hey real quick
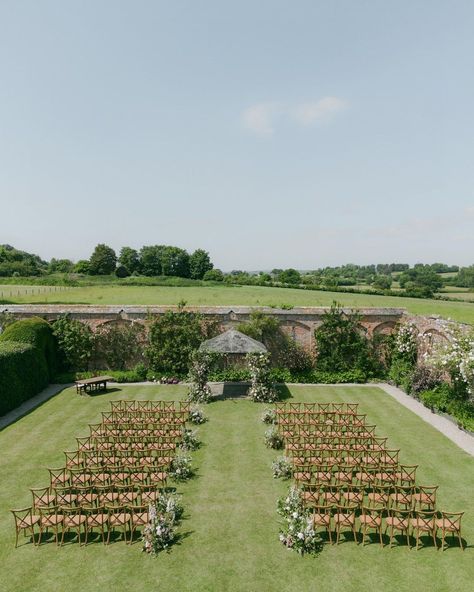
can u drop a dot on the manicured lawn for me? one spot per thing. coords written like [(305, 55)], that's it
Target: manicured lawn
[(230, 540), (228, 296)]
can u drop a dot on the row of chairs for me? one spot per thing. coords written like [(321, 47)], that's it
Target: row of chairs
[(117, 479), (414, 523), (353, 474), (407, 497), (81, 520)]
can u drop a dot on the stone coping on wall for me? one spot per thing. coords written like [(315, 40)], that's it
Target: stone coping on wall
[(130, 309)]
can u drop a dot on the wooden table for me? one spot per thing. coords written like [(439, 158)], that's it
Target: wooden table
[(98, 383)]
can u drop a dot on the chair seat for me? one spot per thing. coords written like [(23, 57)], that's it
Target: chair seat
[(28, 521), (52, 519), (119, 519), (398, 523), (140, 518), (422, 525), (97, 519), (368, 520), (321, 519), (446, 525), (74, 520), (344, 519)]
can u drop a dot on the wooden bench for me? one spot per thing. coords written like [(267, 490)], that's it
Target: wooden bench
[(98, 383)]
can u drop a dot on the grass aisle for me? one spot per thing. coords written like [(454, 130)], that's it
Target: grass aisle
[(230, 532)]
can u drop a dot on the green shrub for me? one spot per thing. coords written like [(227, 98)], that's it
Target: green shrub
[(75, 343), (38, 333), (342, 343), (23, 373), (443, 399), (401, 373), (173, 337)]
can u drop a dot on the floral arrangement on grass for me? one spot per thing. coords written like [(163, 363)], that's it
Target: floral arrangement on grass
[(189, 440), (273, 439), (159, 534), (168, 503), (269, 416), (261, 389), (297, 531), (199, 391), (196, 415), (282, 468), (181, 469)]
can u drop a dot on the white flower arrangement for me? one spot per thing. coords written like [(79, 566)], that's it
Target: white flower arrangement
[(196, 415), (282, 468), (261, 389)]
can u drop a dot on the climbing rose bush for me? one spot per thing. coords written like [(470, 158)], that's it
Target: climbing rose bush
[(261, 389), (199, 391), (456, 358)]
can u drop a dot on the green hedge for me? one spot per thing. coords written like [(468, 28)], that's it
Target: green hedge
[(38, 333), (22, 374)]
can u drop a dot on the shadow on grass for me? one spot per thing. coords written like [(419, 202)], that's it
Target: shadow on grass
[(283, 392)]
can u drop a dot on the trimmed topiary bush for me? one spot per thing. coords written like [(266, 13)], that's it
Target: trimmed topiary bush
[(38, 333), (23, 373)]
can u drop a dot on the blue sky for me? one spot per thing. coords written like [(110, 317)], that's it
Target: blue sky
[(270, 133)]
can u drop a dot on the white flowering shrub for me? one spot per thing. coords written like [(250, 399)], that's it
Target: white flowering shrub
[(269, 416), (261, 389), (181, 469), (199, 390), (456, 358), (273, 439), (297, 530), (282, 468), (189, 440), (406, 342), (196, 415)]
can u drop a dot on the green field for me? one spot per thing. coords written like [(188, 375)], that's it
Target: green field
[(233, 296), (230, 531)]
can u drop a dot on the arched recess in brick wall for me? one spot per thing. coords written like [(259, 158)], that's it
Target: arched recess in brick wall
[(384, 328), (431, 338), (300, 332)]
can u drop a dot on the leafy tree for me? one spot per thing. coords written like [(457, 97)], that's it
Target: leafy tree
[(284, 351), (75, 343), (82, 266), (175, 262), (382, 282), (465, 277), (290, 276), (421, 280), (60, 266), (214, 275), (103, 260), (342, 343), (119, 345), (173, 337), (151, 260), (129, 259), (122, 272), (199, 264), (19, 263)]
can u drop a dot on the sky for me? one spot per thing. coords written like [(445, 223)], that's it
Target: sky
[(271, 133)]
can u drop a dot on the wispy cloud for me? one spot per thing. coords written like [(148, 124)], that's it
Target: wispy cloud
[(322, 111), (259, 118)]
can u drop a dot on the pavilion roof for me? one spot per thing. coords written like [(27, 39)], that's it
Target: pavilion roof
[(232, 342)]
